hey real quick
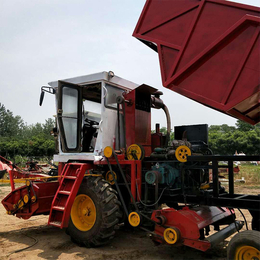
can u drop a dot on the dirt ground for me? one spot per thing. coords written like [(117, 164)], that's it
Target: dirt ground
[(46, 242)]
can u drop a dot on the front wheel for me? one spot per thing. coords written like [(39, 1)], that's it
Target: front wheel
[(94, 214), (244, 245)]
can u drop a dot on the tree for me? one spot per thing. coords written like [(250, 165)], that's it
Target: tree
[(48, 126), (243, 126), (10, 126), (17, 138), (163, 130), (226, 140)]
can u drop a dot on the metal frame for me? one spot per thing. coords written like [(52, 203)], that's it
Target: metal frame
[(213, 197)]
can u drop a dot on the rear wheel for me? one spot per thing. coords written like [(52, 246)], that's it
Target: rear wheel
[(244, 245), (94, 214)]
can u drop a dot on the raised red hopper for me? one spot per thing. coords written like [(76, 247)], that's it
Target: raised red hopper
[(209, 51)]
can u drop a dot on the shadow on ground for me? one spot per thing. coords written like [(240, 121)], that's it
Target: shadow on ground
[(52, 243)]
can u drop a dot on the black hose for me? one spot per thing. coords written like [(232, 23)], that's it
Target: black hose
[(244, 218), (20, 250)]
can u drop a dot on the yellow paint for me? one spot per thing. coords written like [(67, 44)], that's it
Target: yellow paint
[(26, 198), (109, 177), (134, 152), (182, 152), (134, 219), (26, 180), (247, 253), (170, 236), (205, 186), (83, 213), (108, 152)]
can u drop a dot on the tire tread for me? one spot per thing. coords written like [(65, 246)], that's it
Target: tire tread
[(110, 214)]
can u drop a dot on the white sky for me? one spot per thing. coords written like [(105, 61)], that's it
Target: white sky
[(47, 40)]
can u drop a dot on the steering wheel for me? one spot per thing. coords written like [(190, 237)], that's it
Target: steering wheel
[(91, 122)]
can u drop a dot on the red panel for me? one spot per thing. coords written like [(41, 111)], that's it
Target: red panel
[(208, 51), (143, 130), (138, 124), (44, 193), (195, 219), (130, 119), (169, 9), (168, 55)]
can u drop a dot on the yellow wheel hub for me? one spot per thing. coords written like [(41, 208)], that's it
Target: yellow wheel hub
[(108, 152), (171, 235), (33, 198), (134, 219), (247, 253), (83, 213), (135, 152), (26, 198), (110, 178), (182, 152)]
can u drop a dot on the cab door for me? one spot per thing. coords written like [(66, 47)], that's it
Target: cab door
[(69, 116)]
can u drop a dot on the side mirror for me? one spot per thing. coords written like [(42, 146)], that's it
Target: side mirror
[(44, 89), (41, 97)]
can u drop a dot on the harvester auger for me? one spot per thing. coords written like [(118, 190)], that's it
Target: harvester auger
[(113, 170)]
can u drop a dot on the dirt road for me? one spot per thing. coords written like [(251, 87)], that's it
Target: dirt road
[(52, 243)]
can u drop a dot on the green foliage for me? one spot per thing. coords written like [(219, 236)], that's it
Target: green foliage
[(9, 125), (226, 140), (17, 138), (163, 130)]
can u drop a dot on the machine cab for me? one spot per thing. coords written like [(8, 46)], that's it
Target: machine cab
[(87, 114)]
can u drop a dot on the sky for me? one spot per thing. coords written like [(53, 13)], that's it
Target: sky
[(48, 40)]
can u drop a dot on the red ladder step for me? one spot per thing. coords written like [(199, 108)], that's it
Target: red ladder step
[(58, 208), (71, 178), (64, 192), (55, 223)]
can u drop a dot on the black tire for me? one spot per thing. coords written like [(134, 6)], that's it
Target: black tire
[(107, 213), (247, 238)]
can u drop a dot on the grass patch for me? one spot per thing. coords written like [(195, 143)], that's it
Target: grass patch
[(253, 187), (4, 184), (251, 173)]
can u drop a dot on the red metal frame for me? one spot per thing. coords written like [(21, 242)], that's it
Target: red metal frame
[(44, 193), (189, 222), (208, 51), (136, 174), (58, 196), (138, 123)]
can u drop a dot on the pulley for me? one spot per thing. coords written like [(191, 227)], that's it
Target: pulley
[(182, 152), (108, 152), (134, 219), (135, 152), (111, 177), (171, 235)]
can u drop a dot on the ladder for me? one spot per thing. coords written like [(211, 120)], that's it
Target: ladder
[(71, 178)]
